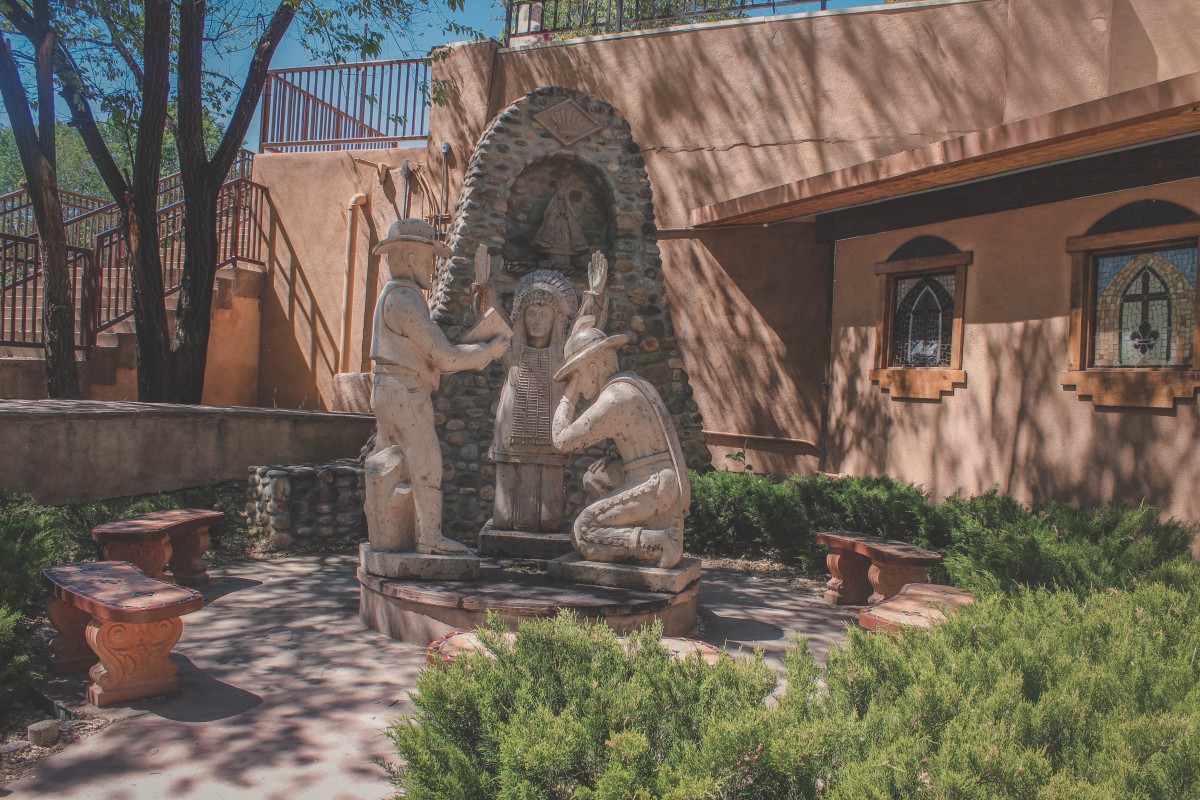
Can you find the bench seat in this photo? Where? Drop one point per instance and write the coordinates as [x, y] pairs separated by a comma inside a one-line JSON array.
[[868, 569], [918, 605], [120, 622], [176, 539]]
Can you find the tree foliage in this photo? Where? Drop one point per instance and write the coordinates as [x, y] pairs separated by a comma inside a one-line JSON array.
[[156, 69]]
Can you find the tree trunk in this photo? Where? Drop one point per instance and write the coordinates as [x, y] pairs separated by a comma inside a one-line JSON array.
[[193, 320], [202, 181], [141, 216], [58, 312]]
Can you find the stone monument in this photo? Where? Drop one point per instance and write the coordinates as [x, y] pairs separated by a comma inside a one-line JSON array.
[[630, 534], [404, 470]]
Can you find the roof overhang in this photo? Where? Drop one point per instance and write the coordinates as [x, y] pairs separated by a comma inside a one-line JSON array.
[[1151, 113]]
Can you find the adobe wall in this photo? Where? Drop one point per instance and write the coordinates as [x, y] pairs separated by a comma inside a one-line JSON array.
[[64, 451], [302, 303], [721, 110], [1012, 425]]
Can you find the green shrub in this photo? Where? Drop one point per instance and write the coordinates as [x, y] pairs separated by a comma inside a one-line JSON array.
[[991, 542], [566, 711], [15, 669], [1045, 695], [33, 537]]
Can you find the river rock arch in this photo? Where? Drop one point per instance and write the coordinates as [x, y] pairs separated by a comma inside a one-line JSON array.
[[551, 136]]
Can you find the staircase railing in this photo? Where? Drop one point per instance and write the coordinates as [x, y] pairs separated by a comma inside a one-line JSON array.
[[98, 260]]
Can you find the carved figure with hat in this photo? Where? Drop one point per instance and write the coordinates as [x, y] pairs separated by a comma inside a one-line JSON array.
[[404, 470], [637, 502]]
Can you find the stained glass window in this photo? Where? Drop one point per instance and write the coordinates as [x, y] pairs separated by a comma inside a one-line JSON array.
[[1145, 305], [923, 321]]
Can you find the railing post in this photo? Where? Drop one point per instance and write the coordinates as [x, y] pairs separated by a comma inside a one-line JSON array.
[[265, 118], [620, 15], [235, 250], [508, 15]]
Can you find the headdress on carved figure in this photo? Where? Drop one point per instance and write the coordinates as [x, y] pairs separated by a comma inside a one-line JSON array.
[[548, 287]]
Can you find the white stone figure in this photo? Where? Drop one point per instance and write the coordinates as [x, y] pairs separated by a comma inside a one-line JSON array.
[[529, 470], [636, 503], [404, 471]]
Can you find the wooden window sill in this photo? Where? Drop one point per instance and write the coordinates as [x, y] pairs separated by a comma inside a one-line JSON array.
[[918, 383], [1133, 388]]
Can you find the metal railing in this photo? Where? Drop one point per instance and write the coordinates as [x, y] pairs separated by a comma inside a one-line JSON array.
[[22, 292], [345, 106], [100, 275], [16, 210], [544, 18]]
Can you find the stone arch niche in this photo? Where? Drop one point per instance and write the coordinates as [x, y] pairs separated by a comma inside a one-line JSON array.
[[553, 135]]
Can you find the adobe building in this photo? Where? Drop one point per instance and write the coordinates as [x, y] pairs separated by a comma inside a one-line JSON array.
[[953, 241]]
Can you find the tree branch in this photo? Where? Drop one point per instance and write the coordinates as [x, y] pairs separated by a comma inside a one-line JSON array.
[[256, 78]]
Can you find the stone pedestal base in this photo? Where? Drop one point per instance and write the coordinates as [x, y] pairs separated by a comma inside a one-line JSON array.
[[418, 566], [497, 543], [420, 611], [135, 660], [574, 569]]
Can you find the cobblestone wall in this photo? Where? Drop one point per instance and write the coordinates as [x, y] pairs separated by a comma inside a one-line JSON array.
[[301, 504], [535, 142]]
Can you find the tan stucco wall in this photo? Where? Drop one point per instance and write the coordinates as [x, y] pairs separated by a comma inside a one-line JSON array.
[[750, 315], [719, 111], [1012, 425], [231, 372], [302, 303], [76, 451]]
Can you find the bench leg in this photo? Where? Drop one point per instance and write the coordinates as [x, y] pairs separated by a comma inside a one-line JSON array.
[[150, 557], [135, 660], [888, 579], [69, 651], [849, 584], [188, 566]]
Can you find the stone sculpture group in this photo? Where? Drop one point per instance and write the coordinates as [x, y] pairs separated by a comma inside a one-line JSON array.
[[629, 534]]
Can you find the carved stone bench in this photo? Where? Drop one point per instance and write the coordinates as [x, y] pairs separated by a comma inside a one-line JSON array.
[[177, 538], [869, 569], [918, 605], [120, 622]]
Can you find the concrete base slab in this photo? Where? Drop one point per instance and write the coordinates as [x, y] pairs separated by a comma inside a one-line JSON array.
[[576, 569], [418, 566], [499, 543], [421, 611]]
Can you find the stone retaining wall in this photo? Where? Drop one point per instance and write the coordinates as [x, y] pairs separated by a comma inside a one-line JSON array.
[[301, 504]]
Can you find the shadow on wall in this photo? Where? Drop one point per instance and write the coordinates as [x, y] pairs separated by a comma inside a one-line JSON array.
[[311, 351], [1000, 430], [751, 306]]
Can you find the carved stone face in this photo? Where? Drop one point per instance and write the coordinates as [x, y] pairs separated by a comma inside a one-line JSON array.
[[411, 263], [539, 324]]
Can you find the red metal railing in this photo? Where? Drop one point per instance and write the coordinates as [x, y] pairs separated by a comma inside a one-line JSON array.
[[100, 273], [345, 106], [22, 292], [16, 210], [241, 211]]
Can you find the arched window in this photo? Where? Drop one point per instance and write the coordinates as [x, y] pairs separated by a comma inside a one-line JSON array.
[[1133, 286], [919, 337], [923, 328]]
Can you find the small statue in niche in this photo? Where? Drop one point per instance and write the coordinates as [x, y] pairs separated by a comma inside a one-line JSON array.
[[560, 234], [529, 471]]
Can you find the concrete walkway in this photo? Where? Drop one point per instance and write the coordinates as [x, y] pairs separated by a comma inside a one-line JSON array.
[[286, 694]]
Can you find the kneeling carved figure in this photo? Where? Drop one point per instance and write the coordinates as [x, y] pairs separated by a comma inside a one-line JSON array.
[[636, 503]]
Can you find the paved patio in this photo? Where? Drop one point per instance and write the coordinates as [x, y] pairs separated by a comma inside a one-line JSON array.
[[286, 694]]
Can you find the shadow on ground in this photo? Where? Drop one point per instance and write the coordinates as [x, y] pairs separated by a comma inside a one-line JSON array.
[[286, 694]]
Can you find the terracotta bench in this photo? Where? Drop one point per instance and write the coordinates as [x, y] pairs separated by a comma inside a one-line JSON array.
[[869, 569], [177, 538], [120, 622], [918, 605]]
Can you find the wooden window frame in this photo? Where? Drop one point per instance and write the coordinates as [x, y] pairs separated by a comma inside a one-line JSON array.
[[1123, 387], [919, 383]]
